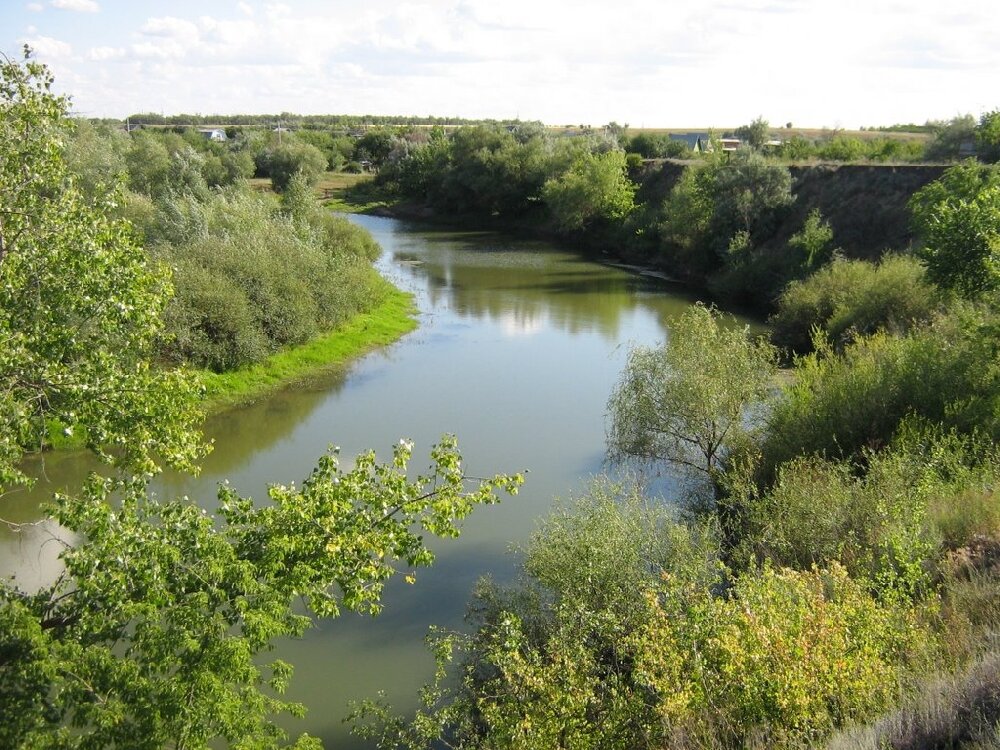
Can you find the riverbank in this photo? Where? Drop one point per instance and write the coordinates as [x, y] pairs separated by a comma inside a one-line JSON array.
[[380, 327]]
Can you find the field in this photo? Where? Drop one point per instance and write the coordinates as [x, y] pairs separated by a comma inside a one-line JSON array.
[[780, 133]]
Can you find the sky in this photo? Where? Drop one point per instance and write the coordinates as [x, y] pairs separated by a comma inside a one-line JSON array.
[[647, 63]]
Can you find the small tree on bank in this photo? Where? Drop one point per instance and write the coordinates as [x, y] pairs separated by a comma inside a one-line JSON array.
[[686, 403]]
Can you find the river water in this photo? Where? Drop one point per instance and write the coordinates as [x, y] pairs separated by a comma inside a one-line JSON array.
[[518, 347]]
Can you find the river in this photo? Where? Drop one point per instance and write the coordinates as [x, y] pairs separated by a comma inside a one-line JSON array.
[[518, 347]]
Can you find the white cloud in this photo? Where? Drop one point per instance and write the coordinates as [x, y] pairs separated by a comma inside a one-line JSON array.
[[35, 7], [169, 26], [718, 62], [47, 48], [167, 38], [105, 53], [278, 10], [80, 6]]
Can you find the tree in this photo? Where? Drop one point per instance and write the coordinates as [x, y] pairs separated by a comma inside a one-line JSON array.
[[153, 634], [80, 305], [747, 192], [949, 137], [289, 159], [958, 218], [756, 134], [595, 188], [814, 241], [988, 136], [686, 403]]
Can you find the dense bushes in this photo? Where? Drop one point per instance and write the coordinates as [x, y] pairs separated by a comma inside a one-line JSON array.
[[628, 632], [841, 404], [251, 274], [250, 279], [850, 298], [284, 161], [714, 219]]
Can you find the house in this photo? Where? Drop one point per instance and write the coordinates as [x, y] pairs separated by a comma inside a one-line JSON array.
[[727, 145], [213, 134], [702, 142], [691, 140]]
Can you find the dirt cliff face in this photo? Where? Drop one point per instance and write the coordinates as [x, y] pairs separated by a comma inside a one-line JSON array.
[[865, 204]]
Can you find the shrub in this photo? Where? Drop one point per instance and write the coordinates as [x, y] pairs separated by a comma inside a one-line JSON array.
[[958, 218], [250, 279], [814, 241], [289, 159], [841, 404], [851, 298], [799, 654], [930, 492], [626, 632]]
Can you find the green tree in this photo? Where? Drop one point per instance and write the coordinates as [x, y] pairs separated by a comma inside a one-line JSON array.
[[686, 403], [748, 191], [595, 188], [153, 636], [80, 304], [988, 136], [756, 134], [814, 241], [148, 163], [949, 137], [958, 218], [285, 161]]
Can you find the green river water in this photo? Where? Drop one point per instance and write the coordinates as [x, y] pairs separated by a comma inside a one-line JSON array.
[[518, 347]]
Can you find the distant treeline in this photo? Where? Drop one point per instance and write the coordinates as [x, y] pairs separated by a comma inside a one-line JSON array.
[[289, 119], [726, 217]]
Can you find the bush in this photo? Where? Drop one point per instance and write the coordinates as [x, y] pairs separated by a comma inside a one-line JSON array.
[[285, 161], [891, 527], [250, 279], [842, 404], [851, 298], [626, 632], [595, 188], [798, 654], [958, 218]]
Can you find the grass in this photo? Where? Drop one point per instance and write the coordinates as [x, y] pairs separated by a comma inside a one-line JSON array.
[[346, 192], [379, 327], [351, 193]]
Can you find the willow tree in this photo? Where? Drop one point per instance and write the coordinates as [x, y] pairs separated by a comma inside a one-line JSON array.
[[688, 402]]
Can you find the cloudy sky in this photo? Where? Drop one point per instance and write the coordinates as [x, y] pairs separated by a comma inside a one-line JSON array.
[[651, 63]]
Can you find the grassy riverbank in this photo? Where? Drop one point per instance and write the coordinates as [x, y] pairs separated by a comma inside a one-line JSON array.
[[379, 327]]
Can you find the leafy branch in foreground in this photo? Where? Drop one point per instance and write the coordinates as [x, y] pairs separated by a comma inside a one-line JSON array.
[[151, 638], [80, 304]]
